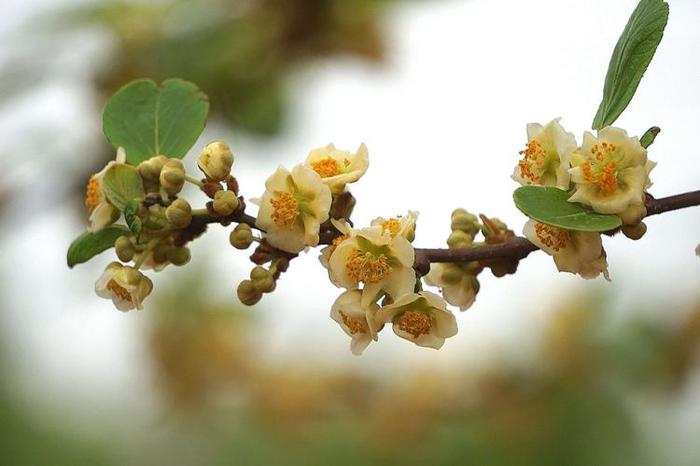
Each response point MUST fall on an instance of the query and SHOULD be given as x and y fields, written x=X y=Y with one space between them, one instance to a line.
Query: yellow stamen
x=119 y=291
x=552 y=237
x=354 y=325
x=285 y=209
x=92 y=193
x=366 y=267
x=602 y=172
x=393 y=226
x=338 y=240
x=415 y=323
x=533 y=160
x=326 y=167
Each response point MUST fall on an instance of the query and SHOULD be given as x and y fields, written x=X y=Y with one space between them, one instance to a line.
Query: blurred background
x=547 y=369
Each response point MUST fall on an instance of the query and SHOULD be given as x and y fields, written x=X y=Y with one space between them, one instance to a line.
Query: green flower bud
x=179 y=256
x=460 y=239
x=452 y=274
x=216 y=161
x=241 y=237
x=248 y=293
x=635 y=232
x=179 y=213
x=172 y=176
x=466 y=222
x=124 y=248
x=262 y=279
x=160 y=253
x=225 y=202
x=150 y=169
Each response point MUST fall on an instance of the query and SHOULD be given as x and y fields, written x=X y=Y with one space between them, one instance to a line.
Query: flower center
x=92 y=193
x=326 y=167
x=415 y=323
x=285 y=209
x=393 y=226
x=603 y=171
x=534 y=157
x=552 y=237
x=366 y=267
x=119 y=290
x=354 y=325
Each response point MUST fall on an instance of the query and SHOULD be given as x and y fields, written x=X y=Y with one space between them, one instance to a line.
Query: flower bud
x=241 y=237
x=178 y=256
x=216 y=161
x=225 y=202
x=634 y=232
x=172 y=176
x=459 y=239
x=160 y=253
x=248 y=293
x=451 y=274
x=179 y=213
x=150 y=169
x=466 y=222
x=262 y=279
x=124 y=248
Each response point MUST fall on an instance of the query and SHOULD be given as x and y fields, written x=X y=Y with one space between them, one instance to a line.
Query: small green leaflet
x=131 y=217
x=122 y=184
x=631 y=58
x=90 y=244
x=649 y=137
x=148 y=119
x=551 y=206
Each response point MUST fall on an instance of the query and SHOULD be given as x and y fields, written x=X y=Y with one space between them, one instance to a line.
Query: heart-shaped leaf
x=551 y=206
x=148 y=120
x=90 y=244
x=122 y=184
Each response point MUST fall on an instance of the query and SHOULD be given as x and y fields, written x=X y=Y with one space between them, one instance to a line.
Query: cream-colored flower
x=360 y=323
x=380 y=262
x=102 y=213
x=400 y=225
x=458 y=283
x=345 y=232
x=338 y=167
x=611 y=173
x=216 y=161
x=545 y=160
x=422 y=318
x=578 y=252
x=125 y=286
x=293 y=208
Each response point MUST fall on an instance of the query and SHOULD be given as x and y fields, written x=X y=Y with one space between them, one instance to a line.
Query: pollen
x=92 y=193
x=119 y=290
x=338 y=240
x=552 y=237
x=393 y=226
x=415 y=323
x=602 y=171
x=354 y=326
x=327 y=167
x=366 y=267
x=533 y=160
x=285 y=209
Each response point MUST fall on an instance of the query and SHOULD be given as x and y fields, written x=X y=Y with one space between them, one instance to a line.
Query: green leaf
x=148 y=120
x=122 y=184
x=649 y=137
x=89 y=244
x=630 y=59
x=131 y=217
x=551 y=206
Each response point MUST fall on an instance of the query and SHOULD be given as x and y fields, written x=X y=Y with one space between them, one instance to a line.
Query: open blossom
x=611 y=173
x=402 y=225
x=380 y=262
x=125 y=286
x=338 y=167
x=293 y=208
x=422 y=318
x=102 y=213
x=345 y=232
x=358 y=322
x=545 y=160
x=578 y=252
x=458 y=283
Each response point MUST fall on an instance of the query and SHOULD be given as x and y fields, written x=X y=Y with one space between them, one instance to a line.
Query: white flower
x=401 y=225
x=458 y=283
x=338 y=167
x=345 y=232
x=378 y=261
x=102 y=213
x=360 y=323
x=578 y=252
x=611 y=173
x=125 y=286
x=293 y=208
x=422 y=318
x=545 y=161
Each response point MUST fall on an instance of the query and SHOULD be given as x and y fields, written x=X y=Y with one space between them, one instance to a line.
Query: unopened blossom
x=102 y=213
x=216 y=161
x=611 y=173
x=402 y=225
x=458 y=283
x=579 y=252
x=422 y=318
x=125 y=286
x=357 y=321
x=545 y=160
x=380 y=262
x=293 y=208
x=338 y=168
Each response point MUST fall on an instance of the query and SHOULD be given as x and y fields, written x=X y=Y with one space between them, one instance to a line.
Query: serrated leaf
x=148 y=120
x=131 y=218
x=90 y=244
x=630 y=59
x=551 y=206
x=649 y=137
x=122 y=184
